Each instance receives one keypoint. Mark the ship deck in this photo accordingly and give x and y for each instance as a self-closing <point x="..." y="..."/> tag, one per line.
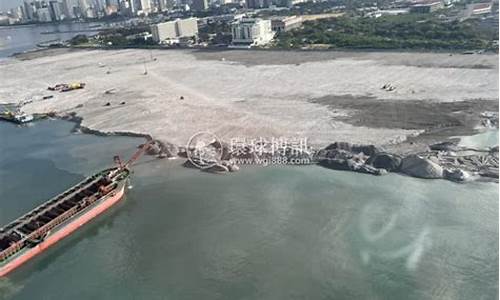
<point x="33" y="226"/>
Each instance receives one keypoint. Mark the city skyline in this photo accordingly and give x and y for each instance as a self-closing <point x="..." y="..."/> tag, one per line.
<point x="59" y="10"/>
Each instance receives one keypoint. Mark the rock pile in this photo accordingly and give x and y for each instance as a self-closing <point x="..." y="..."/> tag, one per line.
<point x="161" y="149"/>
<point x="349" y="157"/>
<point x="445" y="160"/>
<point x="421" y="167"/>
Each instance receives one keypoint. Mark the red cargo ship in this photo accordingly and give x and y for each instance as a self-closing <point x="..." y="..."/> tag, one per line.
<point x="42" y="227"/>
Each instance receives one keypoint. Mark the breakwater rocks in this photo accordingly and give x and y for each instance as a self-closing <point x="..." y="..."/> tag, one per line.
<point x="349" y="157"/>
<point x="161" y="149"/>
<point x="445" y="160"/>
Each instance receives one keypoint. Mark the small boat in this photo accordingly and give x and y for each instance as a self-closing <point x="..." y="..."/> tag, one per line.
<point x="18" y="118"/>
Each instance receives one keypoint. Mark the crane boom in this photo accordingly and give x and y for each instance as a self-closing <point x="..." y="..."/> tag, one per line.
<point x="138" y="154"/>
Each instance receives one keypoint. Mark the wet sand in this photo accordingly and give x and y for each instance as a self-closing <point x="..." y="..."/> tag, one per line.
<point x="438" y="121"/>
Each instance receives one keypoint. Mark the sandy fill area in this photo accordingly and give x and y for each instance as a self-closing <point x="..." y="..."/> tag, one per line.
<point x="237" y="94"/>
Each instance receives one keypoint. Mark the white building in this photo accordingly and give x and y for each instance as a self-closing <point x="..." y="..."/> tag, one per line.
<point x="187" y="27"/>
<point x="169" y="32"/>
<point x="281" y="24"/>
<point x="163" y="31"/>
<point x="146" y="6"/>
<point x="251" y="32"/>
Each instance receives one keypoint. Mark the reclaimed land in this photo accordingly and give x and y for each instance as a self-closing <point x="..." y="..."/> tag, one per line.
<point x="322" y="96"/>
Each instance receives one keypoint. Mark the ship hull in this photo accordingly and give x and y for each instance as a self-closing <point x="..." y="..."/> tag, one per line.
<point x="63" y="232"/>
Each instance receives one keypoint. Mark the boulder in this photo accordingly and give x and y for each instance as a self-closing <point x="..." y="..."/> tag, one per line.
<point x="367" y="169"/>
<point x="337" y="164"/>
<point x="182" y="152"/>
<point x="387" y="161"/>
<point x="153" y="149"/>
<point x="489" y="172"/>
<point x="368" y="150"/>
<point x="217" y="168"/>
<point x="168" y="149"/>
<point x="417" y="166"/>
<point x="233" y="168"/>
<point x="189" y="164"/>
<point x="230" y="165"/>
<point x="445" y="146"/>
<point x="457" y="175"/>
<point x="434" y="159"/>
<point x="223" y="148"/>
<point x="350" y="165"/>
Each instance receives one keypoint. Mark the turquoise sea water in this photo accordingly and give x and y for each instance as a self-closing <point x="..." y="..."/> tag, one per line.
<point x="261" y="233"/>
<point x="485" y="139"/>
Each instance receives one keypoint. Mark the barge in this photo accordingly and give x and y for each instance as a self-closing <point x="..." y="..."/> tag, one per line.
<point x="47" y="224"/>
<point x="42" y="227"/>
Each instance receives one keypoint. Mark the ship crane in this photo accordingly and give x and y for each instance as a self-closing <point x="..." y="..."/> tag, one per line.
<point x="134" y="157"/>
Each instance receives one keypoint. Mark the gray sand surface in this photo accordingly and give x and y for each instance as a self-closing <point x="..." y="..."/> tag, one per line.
<point x="252" y="94"/>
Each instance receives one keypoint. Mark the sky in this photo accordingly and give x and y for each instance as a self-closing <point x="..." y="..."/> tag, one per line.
<point x="8" y="4"/>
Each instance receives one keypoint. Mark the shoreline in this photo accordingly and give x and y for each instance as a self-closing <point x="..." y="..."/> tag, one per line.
<point x="402" y="122"/>
<point x="328" y="157"/>
<point x="215" y="49"/>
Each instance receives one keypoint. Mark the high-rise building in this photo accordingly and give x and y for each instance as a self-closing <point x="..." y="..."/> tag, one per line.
<point x="100" y="5"/>
<point x="112" y="3"/>
<point x="84" y="6"/>
<point x="146" y="6"/>
<point x="55" y="10"/>
<point x="132" y="6"/>
<point x="164" y="5"/>
<point x="43" y="14"/>
<point x="90" y="13"/>
<point x="199" y="5"/>
<point x="86" y="9"/>
<point x="124" y="8"/>
<point x="257" y="3"/>
<point x="21" y="12"/>
<point x="30" y="12"/>
<point x="67" y="8"/>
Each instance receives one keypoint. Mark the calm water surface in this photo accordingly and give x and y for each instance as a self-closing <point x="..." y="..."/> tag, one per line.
<point x="14" y="39"/>
<point x="262" y="233"/>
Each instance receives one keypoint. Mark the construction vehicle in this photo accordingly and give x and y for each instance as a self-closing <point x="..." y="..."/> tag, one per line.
<point x="64" y="87"/>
